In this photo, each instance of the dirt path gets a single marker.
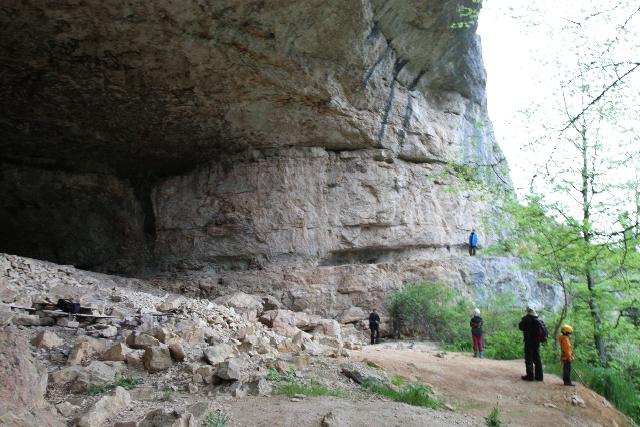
(474, 386)
(281, 412)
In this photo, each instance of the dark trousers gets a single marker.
(532, 361)
(566, 371)
(472, 250)
(375, 334)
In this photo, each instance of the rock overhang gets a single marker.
(112, 111)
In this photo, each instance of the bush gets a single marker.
(616, 386)
(504, 345)
(430, 310)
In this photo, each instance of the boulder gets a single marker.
(65, 375)
(247, 306)
(270, 302)
(105, 408)
(217, 353)
(360, 373)
(67, 409)
(312, 348)
(23, 382)
(79, 352)
(67, 323)
(47, 339)
(258, 386)
(142, 341)
(118, 352)
(192, 415)
(329, 327)
(230, 370)
(328, 341)
(22, 319)
(283, 319)
(331, 420)
(6, 314)
(94, 374)
(177, 352)
(352, 314)
(171, 303)
(104, 331)
(97, 345)
(191, 331)
(135, 359)
(163, 335)
(204, 373)
(157, 359)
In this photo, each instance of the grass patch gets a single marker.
(215, 419)
(412, 394)
(398, 381)
(275, 376)
(493, 420)
(311, 390)
(128, 383)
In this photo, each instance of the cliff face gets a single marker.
(239, 136)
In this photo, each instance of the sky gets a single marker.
(526, 46)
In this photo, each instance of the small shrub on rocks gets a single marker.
(128, 383)
(216, 419)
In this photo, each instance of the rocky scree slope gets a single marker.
(188, 355)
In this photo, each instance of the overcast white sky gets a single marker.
(521, 40)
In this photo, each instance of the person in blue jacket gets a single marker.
(473, 242)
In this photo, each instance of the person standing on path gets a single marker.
(374, 325)
(531, 326)
(567, 353)
(476, 333)
(473, 242)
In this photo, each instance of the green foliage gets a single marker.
(493, 420)
(216, 419)
(128, 383)
(616, 386)
(398, 381)
(412, 394)
(432, 310)
(308, 390)
(275, 376)
(468, 15)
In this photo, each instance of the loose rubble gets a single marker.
(195, 348)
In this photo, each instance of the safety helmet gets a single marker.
(476, 312)
(566, 329)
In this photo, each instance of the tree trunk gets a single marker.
(586, 235)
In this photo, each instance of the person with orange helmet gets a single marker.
(567, 353)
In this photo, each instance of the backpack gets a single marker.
(543, 332)
(68, 306)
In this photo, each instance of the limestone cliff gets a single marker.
(230, 137)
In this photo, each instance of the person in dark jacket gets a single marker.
(530, 326)
(476, 333)
(473, 242)
(374, 326)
